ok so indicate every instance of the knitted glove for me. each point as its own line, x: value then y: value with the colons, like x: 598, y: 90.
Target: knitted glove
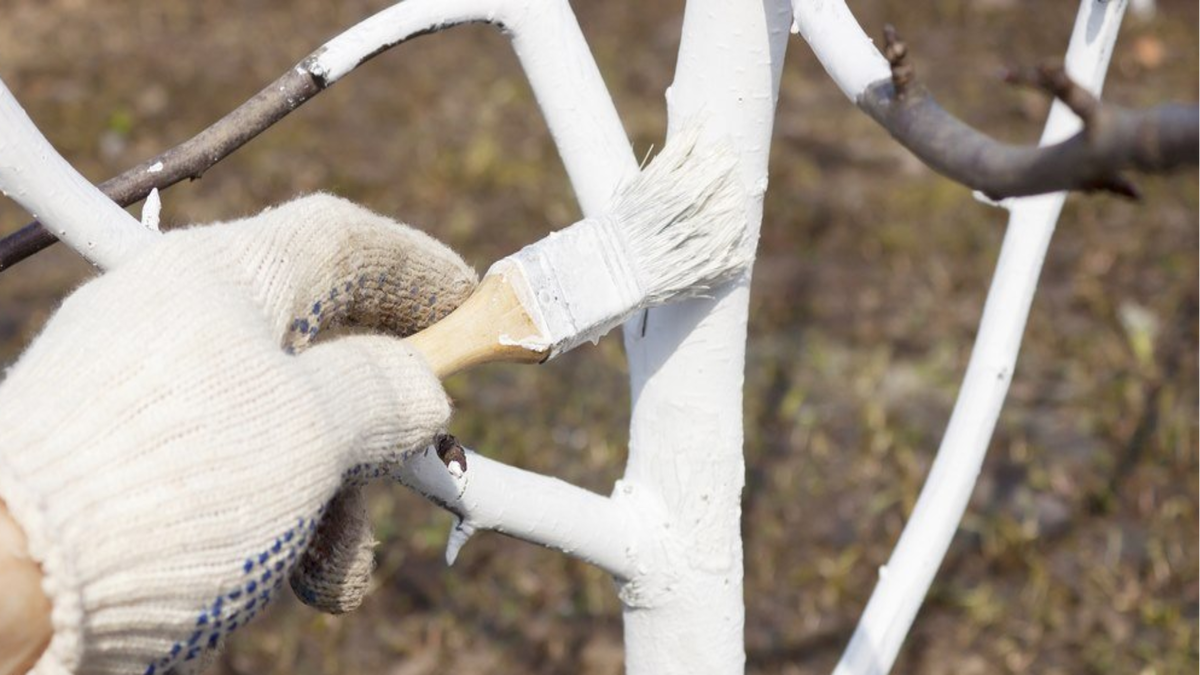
x: 169, y: 450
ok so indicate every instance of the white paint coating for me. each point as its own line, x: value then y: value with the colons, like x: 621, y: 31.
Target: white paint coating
x: 528, y: 506
x: 686, y: 371
x: 460, y: 533
x: 676, y: 230
x: 555, y: 57
x: 918, y: 554
x: 577, y: 284
x: 151, y: 211
x: 848, y: 55
x: 44, y: 184
x: 393, y: 25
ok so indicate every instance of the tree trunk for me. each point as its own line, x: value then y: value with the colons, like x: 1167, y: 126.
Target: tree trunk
x: 686, y: 614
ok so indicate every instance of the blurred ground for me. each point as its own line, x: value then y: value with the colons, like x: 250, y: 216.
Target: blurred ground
x: 1079, y: 553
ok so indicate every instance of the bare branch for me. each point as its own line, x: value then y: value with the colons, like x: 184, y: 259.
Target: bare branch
x: 1113, y: 139
x: 190, y: 159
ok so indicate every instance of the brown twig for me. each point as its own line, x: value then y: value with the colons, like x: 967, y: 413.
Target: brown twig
x: 449, y: 450
x: 190, y: 159
x: 1114, y: 139
x: 896, y: 52
x: 196, y: 155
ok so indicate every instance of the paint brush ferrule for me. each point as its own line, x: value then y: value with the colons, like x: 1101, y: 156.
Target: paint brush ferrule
x: 576, y: 284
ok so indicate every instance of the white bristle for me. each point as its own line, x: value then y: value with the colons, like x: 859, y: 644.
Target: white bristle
x: 684, y: 219
x: 676, y: 230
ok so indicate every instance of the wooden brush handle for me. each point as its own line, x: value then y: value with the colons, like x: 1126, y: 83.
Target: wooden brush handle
x: 471, y: 334
x: 24, y: 609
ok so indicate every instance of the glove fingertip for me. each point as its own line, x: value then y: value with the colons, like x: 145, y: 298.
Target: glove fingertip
x: 334, y: 573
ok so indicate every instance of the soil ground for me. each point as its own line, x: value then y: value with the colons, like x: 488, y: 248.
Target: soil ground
x: 1079, y: 551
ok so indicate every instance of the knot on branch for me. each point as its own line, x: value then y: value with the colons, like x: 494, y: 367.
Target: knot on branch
x: 896, y: 52
x: 451, y: 452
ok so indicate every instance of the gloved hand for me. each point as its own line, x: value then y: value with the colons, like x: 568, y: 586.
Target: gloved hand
x: 169, y: 446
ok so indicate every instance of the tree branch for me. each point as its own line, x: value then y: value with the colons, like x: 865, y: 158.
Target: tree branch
x: 546, y: 38
x: 490, y: 495
x: 1152, y: 141
x: 190, y: 159
x: 34, y: 175
x: 1113, y: 139
x: 906, y: 578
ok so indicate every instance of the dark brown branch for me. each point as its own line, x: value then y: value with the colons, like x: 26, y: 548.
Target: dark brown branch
x: 193, y: 157
x: 187, y: 160
x: 1114, y: 139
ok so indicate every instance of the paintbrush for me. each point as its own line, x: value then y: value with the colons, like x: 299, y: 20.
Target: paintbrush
x: 675, y: 230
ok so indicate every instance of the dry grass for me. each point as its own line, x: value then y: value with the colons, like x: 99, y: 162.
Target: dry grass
x: 1079, y: 553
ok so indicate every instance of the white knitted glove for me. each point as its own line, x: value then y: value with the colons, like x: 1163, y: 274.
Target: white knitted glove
x: 169, y: 454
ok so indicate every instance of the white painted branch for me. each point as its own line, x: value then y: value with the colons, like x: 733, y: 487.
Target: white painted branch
x: 906, y: 578
x: 848, y: 55
x: 686, y: 365
x: 556, y: 59
x: 394, y: 25
x: 577, y: 106
x: 34, y: 175
x: 490, y: 495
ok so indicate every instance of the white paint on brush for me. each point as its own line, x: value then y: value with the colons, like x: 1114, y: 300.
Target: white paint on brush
x: 914, y: 562
x: 576, y: 284
x: 35, y: 176
x: 678, y: 229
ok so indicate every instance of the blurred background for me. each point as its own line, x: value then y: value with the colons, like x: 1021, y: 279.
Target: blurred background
x: 1079, y: 551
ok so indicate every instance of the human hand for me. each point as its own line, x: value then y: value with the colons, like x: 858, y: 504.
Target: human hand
x: 171, y: 443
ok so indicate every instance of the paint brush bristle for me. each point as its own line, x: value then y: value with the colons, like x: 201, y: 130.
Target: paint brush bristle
x: 677, y: 229
x: 684, y: 220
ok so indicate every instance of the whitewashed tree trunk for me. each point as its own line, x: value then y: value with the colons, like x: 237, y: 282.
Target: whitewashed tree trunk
x: 679, y: 502
x: 686, y: 362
